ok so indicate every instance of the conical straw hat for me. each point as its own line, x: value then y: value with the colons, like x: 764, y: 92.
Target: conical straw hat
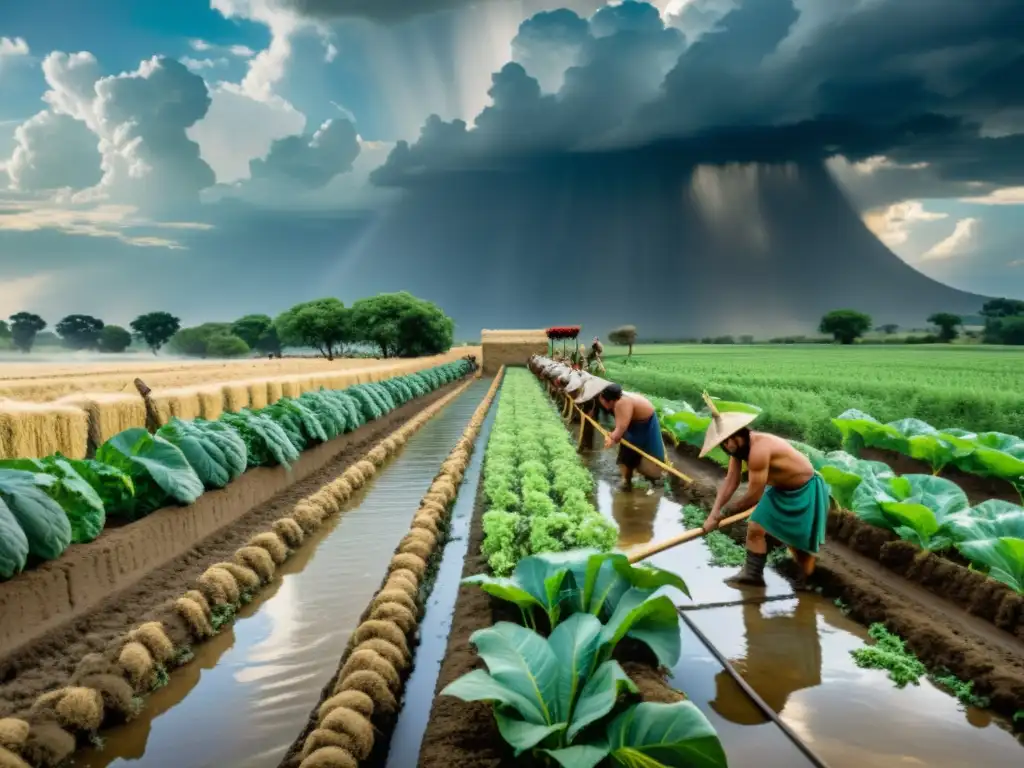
x: 723, y: 426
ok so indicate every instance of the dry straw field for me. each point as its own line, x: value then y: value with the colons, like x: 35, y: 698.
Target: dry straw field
x: 49, y: 408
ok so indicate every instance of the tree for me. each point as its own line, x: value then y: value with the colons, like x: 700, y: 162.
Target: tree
x: 80, y: 331
x: 845, y: 325
x: 155, y: 328
x: 888, y: 329
x: 624, y: 335
x: 947, y: 324
x: 114, y: 338
x: 1002, y: 308
x: 226, y: 345
x: 195, y: 341
x: 324, y: 324
x: 5, y: 332
x: 24, y: 327
x: 401, y: 325
x: 258, y: 332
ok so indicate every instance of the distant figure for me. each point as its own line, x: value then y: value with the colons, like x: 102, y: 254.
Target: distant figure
x: 596, y: 350
x: 637, y: 422
x: 792, y: 499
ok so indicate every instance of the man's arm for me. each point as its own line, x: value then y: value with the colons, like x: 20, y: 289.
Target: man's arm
x: 757, y: 481
x: 725, y: 492
x: 623, y: 417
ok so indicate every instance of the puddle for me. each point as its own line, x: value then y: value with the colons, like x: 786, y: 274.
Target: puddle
x: 795, y: 652
x: 249, y: 691
x: 796, y: 655
x: 437, y: 618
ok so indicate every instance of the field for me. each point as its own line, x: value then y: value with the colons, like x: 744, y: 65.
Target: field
x: 800, y: 389
x: 427, y: 569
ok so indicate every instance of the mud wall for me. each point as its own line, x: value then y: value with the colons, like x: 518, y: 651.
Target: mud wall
x: 76, y: 424
x: 62, y: 589
x: 511, y: 348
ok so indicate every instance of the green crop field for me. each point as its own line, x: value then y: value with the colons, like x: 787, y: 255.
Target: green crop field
x: 801, y: 388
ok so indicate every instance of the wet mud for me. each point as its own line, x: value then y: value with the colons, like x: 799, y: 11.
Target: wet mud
x: 50, y: 659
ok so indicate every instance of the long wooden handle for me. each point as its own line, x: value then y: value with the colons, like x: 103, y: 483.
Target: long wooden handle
x: 682, y: 538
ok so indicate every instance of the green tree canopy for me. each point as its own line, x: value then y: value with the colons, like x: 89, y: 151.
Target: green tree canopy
x: 24, y: 327
x: 401, y: 325
x: 114, y: 338
x: 324, y: 324
x: 258, y: 332
x: 195, y: 341
x: 947, y: 324
x: 155, y: 328
x: 1002, y: 308
x: 845, y: 325
x: 226, y: 345
x: 624, y: 335
x: 80, y: 331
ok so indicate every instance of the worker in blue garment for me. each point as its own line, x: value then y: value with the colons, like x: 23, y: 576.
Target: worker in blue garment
x: 637, y: 422
x: 791, y: 498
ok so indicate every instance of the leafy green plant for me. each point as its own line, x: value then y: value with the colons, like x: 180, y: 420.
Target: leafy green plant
x: 557, y: 697
x: 918, y: 508
x: 1002, y: 558
x: 45, y: 526
x: 213, y: 449
x: 79, y: 500
x: 158, y: 470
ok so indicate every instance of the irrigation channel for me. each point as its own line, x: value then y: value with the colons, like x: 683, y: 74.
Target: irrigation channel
x: 249, y: 691
x: 793, y: 649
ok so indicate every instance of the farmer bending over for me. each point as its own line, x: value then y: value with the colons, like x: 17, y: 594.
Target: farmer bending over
x: 637, y: 422
x: 792, y: 499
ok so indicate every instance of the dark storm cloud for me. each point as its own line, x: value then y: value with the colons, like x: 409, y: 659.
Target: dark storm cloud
x: 391, y: 11
x: 913, y: 79
x: 311, y: 161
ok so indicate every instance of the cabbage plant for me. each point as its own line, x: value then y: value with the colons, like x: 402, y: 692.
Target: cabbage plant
x: 561, y: 697
x: 918, y: 508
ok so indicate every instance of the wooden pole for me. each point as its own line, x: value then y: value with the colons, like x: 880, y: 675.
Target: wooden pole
x: 152, y: 414
x: 690, y: 535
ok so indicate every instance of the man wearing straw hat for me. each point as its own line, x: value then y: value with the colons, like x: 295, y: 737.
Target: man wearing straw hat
x: 792, y: 499
x: 637, y: 422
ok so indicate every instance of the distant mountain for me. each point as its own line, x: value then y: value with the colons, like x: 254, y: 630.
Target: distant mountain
x: 603, y: 240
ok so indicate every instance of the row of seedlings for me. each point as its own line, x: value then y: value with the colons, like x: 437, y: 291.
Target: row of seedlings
x: 366, y: 694
x: 106, y: 688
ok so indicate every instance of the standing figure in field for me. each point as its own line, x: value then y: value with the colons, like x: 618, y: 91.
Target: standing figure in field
x: 594, y: 362
x: 637, y: 422
x: 792, y: 499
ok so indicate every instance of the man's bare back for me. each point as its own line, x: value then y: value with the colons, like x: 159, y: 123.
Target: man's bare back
x: 788, y: 469
x: 632, y: 408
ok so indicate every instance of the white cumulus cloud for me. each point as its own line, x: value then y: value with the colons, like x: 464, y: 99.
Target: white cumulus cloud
x: 959, y: 243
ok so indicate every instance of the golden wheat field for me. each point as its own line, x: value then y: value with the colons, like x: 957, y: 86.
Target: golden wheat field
x: 49, y: 408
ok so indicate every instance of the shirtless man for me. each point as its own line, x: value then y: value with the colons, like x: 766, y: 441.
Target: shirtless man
x: 792, y: 499
x: 637, y: 422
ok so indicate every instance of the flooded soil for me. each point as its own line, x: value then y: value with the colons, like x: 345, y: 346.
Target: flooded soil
x: 794, y: 651
x: 48, y: 662
x: 249, y: 691
x: 438, y: 614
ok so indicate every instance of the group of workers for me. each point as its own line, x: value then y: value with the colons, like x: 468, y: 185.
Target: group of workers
x: 790, y: 499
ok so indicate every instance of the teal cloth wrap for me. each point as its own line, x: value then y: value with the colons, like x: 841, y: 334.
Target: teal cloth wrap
x: 797, y: 518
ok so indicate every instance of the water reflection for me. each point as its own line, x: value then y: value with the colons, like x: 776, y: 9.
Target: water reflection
x: 783, y: 655
x: 634, y: 512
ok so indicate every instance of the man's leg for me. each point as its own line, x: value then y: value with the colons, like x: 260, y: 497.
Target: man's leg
x: 627, y: 477
x: 805, y: 560
x: 752, y: 574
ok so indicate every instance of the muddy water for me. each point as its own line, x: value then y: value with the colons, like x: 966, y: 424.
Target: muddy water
x: 795, y: 652
x: 249, y: 691
x: 437, y: 618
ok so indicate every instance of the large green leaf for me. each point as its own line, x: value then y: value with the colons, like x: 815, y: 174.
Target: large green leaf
x: 202, y: 454
x: 998, y: 455
x: 991, y: 519
x: 923, y: 442
x: 844, y: 473
x: 651, y: 620
x: 1003, y: 557
x: 114, y: 487
x: 159, y: 469
x: 920, y: 508
x: 524, y: 667
x: 859, y: 428
x: 79, y: 500
x: 676, y: 735
x: 537, y: 582
x: 687, y: 427
x: 46, y: 526
x: 13, y: 544
x: 580, y: 755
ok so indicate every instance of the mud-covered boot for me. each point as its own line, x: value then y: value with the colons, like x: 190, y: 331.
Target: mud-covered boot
x: 752, y: 574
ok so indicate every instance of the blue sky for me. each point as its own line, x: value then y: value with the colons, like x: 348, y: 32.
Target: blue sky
x: 151, y: 153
